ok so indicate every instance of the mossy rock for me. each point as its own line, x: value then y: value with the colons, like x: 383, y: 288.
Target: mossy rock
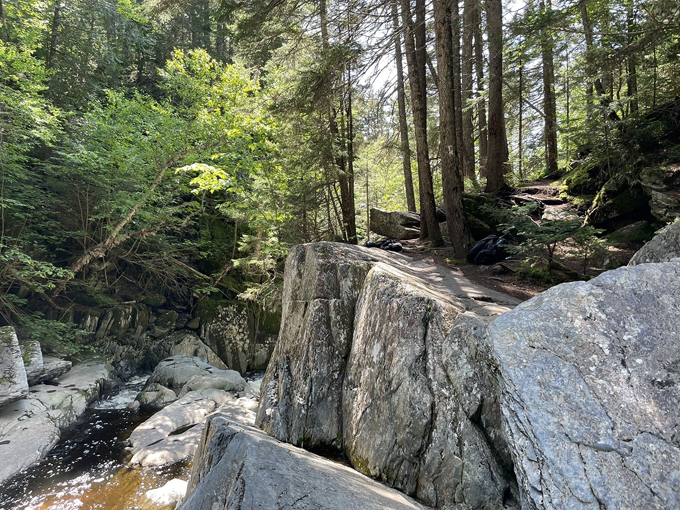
x: 478, y: 228
x: 580, y: 181
x: 269, y: 323
x: 631, y: 203
x: 638, y: 232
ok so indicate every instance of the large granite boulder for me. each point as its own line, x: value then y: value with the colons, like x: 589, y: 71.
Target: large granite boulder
x: 590, y: 390
x: 13, y: 382
x: 238, y: 467
x: 33, y: 360
x: 156, y: 396
x: 367, y: 367
x: 301, y: 400
x: 395, y: 224
x: 174, y: 419
x: 662, y: 185
x: 175, y: 371
x: 664, y: 247
x: 188, y: 343
x: 419, y: 408
x: 53, y: 368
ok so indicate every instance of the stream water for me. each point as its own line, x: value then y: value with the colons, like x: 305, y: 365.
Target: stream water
x: 88, y: 467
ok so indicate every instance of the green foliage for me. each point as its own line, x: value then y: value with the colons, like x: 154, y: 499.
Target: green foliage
x: 55, y: 337
x: 540, y: 240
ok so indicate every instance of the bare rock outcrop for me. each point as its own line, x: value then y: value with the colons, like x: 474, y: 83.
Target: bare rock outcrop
x: 361, y: 365
x: 664, y: 247
x: 13, y: 382
x: 238, y: 467
x: 589, y: 377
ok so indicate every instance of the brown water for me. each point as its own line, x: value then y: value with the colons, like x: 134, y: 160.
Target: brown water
x: 88, y: 468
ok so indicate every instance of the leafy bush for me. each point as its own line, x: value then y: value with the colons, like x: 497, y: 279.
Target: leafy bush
x: 60, y: 338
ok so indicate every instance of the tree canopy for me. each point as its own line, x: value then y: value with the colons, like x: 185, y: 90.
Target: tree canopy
x: 184, y: 146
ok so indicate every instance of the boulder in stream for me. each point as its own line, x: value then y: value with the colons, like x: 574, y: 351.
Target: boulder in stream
x: 156, y: 396
x: 13, y: 382
x: 238, y: 467
x: 187, y: 343
x: 53, y: 368
x: 33, y: 360
x: 175, y: 371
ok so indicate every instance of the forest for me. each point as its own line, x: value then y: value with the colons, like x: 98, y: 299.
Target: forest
x: 179, y: 148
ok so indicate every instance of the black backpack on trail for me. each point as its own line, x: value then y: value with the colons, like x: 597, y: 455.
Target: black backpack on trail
x: 488, y: 251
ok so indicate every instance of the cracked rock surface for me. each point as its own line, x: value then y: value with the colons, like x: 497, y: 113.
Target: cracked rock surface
x: 13, y: 382
x: 361, y: 365
x: 238, y: 467
x: 590, y: 391
x: 664, y: 247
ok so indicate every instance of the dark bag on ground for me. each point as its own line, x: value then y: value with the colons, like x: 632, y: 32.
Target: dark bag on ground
x: 488, y: 251
x: 387, y: 244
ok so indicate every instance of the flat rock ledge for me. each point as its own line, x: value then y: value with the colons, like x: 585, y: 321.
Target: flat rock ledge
x: 238, y: 467
x: 30, y: 427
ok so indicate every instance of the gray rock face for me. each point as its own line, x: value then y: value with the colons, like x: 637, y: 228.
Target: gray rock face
x: 13, y: 382
x: 590, y: 390
x: 156, y: 395
x: 187, y: 343
x: 301, y: 400
x: 370, y: 362
x: 175, y: 371
x: 33, y: 360
x: 664, y: 247
x: 419, y: 407
x: 53, y: 368
x: 173, y: 434
x: 29, y: 428
x: 230, y: 330
x: 395, y: 224
x: 238, y: 467
x: 662, y: 185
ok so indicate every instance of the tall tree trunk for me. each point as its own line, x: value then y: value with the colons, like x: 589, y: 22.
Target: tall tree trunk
x: 344, y: 171
x: 457, y: 85
x: 4, y: 31
x: 348, y: 198
x: 452, y: 178
x: 520, y: 136
x: 403, y: 123
x: 549, y: 103
x: 498, y: 148
x: 479, y: 72
x: 590, y: 68
x: 467, y: 82
x: 416, y: 62
x: 632, y: 88
x: 54, y: 36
